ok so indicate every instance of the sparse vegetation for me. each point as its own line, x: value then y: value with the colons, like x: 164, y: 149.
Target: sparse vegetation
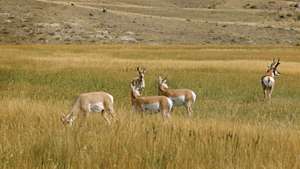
x: 151, y: 21
x: 232, y: 127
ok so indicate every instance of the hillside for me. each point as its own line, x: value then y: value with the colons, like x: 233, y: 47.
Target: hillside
x: 150, y: 22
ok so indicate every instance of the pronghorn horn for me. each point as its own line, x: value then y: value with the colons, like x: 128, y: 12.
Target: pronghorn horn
x: 138, y: 69
x: 278, y: 62
x: 272, y: 64
x: 160, y: 79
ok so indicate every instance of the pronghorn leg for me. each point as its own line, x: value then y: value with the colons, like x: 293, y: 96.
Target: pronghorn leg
x: 111, y: 112
x: 270, y: 92
x: 188, y: 107
x: 134, y: 109
x: 190, y: 110
x: 265, y: 93
x: 172, y: 109
x: 143, y: 110
x: 166, y: 114
x: 104, y: 114
x: 84, y: 111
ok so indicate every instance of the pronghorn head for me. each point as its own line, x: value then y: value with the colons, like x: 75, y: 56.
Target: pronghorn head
x: 141, y: 72
x: 139, y: 82
x: 66, y: 119
x: 273, y: 68
x: 162, y: 83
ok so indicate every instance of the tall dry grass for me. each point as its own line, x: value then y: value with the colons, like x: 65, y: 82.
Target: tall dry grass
x: 232, y: 126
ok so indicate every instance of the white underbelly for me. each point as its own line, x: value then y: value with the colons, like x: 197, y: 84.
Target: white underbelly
x: 151, y: 107
x: 96, y: 107
x: 178, y: 101
x: 268, y: 81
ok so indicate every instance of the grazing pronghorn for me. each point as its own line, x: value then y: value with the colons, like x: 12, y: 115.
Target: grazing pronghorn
x: 139, y: 82
x: 180, y: 97
x: 93, y: 102
x: 150, y: 103
x: 268, y: 80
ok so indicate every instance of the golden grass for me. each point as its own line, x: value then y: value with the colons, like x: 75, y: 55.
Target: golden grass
x: 232, y: 126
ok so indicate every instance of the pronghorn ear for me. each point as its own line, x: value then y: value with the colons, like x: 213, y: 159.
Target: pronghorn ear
x: 138, y: 69
x: 273, y: 63
x: 62, y: 119
x: 160, y: 79
x: 131, y: 85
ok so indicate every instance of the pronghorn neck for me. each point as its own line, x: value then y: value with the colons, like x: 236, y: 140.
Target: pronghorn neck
x: 134, y: 95
x: 142, y: 81
x: 163, y: 89
x: 134, y: 98
x: 141, y: 77
x: 270, y: 72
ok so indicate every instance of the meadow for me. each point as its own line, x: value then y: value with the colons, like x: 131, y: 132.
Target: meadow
x: 232, y: 125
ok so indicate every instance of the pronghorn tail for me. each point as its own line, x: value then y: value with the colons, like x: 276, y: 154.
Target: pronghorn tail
x: 194, y: 96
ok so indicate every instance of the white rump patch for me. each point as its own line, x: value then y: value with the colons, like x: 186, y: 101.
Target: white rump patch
x: 151, y: 107
x: 111, y: 98
x: 268, y: 81
x: 178, y: 101
x: 96, y: 107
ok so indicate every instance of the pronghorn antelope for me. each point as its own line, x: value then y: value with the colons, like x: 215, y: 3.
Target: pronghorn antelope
x: 150, y: 103
x: 268, y: 80
x: 139, y: 82
x: 93, y: 102
x: 180, y: 97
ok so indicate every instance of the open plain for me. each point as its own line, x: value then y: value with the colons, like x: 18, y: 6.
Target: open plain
x: 232, y: 126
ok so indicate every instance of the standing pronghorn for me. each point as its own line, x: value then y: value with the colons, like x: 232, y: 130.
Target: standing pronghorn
x: 139, y: 82
x: 268, y: 80
x: 93, y: 102
x: 180, y: 97
x: 150, y: 103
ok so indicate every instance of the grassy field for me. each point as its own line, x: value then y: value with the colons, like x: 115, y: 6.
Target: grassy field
x: 232, y: 126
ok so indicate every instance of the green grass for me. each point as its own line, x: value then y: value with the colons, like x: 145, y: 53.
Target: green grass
x: 232, y: 126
